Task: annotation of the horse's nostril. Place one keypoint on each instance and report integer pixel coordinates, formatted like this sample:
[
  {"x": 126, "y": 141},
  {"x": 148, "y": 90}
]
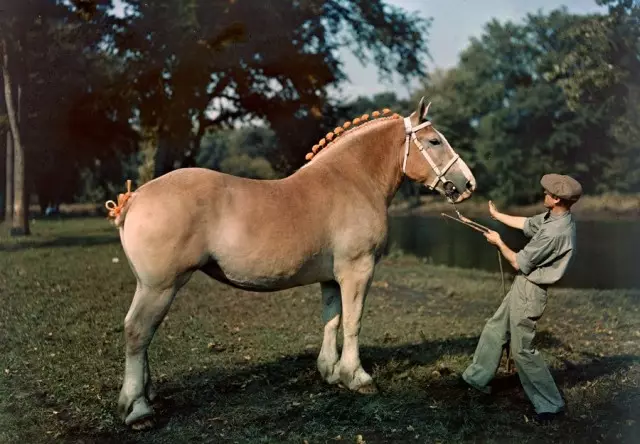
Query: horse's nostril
[{"x": 469, "y": 185}]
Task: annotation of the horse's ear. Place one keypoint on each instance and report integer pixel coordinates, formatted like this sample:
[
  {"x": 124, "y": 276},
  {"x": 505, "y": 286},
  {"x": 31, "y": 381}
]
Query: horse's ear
[{"x": 423, "y": 109}]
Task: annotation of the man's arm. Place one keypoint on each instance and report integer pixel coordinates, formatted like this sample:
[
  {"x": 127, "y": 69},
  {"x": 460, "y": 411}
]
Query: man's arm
[
  {"x": 509, "y": 254},
  {"x": 511, "y": 221},
  {"x": 531, "y": 256}
]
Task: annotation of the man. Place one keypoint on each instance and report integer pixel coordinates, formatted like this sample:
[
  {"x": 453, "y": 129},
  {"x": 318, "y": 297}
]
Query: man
[{"x": 541, "y": 263}]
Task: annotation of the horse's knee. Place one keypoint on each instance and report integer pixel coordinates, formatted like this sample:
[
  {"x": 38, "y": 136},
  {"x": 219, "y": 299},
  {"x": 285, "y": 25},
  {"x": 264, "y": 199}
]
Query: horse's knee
[{"x": 133, "y": 335}]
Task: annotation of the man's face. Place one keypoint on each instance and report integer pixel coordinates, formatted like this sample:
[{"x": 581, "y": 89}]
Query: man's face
[{"x": 550, "y": 200}]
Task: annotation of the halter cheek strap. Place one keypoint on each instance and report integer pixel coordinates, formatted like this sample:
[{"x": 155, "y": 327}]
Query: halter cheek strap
[{"x": 410, "y": 133}]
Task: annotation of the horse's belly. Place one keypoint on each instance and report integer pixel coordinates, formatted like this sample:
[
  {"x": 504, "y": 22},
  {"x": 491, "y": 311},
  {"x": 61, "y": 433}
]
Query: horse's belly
[{"x": 270, "y": 274}]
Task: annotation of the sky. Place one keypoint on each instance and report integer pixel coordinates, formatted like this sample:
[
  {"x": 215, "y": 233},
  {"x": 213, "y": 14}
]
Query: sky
[{"x": 454, "y": 23}]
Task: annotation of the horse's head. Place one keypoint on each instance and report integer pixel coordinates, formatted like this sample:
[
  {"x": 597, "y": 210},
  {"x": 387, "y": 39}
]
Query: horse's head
[{"x": 430, "y": 160}]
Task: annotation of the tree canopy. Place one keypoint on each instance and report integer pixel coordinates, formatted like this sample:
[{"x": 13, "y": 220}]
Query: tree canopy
[
  {"x": 558, "y": 92},
  {"x": 244, "y": 87}
]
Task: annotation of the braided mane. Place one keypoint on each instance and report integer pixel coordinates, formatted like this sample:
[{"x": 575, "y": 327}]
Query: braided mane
[{"x": 324, "y": 142}]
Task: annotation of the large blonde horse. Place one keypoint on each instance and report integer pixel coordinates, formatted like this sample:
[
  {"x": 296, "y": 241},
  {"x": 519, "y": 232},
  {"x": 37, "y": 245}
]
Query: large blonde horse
[{"x": 326, "y": 223}]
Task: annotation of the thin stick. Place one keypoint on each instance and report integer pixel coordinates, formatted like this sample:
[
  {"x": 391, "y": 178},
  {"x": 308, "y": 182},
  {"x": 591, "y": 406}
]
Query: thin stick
[
  {"x": 480, "y": 228},
  {"x": 466, "y": 219}
]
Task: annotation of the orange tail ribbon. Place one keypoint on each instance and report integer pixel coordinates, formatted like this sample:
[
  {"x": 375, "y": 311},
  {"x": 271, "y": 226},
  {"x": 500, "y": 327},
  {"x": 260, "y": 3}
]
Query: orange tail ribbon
[{"x": 115, "y": 209}]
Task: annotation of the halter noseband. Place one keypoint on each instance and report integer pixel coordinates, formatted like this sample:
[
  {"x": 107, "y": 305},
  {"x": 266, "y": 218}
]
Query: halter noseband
[{"x": 411, "y": 133}]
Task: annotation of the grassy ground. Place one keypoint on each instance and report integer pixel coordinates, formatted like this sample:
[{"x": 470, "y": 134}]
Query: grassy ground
[{"x": 233, "y": 366}]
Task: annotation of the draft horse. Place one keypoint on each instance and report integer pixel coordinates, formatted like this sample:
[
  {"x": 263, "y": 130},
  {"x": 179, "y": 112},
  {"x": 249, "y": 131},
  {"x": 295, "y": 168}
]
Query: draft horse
[{"x": 326, "y": 223}]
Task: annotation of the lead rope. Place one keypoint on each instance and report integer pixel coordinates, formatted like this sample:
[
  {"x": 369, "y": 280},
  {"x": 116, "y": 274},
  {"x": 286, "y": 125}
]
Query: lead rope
[{"x": 481, "y": 228}]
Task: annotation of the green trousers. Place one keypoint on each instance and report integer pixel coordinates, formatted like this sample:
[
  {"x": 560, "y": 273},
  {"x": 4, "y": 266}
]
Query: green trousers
[{"x": 515, "y": 320}]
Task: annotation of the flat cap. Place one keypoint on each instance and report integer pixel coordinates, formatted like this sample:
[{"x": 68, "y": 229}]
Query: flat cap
[{"x": 562, "y": 186}]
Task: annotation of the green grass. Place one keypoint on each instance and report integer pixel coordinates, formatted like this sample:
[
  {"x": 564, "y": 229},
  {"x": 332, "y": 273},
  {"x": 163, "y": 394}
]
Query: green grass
[{"x": 234, "y": 366}]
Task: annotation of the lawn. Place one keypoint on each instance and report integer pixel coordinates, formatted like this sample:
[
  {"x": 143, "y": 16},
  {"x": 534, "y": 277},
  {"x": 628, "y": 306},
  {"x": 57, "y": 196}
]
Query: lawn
[{"x": 235, "y": 366}]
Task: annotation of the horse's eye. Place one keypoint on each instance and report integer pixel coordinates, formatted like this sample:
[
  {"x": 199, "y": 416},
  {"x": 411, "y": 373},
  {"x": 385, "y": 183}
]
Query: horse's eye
[{"x": 434, "y": 142}]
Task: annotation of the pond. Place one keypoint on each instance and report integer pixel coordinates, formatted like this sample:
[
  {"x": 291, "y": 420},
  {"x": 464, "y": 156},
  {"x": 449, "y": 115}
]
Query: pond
[{"x": 608, "y": 253}]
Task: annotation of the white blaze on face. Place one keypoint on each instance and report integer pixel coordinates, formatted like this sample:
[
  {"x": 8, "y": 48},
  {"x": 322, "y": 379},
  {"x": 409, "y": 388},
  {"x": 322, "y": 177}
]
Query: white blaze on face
[{"x": 464, "y": 169}]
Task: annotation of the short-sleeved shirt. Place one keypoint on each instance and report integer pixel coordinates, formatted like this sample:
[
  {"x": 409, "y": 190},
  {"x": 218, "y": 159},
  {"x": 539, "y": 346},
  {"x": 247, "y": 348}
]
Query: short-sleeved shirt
[{"x": 544, "y": 260}]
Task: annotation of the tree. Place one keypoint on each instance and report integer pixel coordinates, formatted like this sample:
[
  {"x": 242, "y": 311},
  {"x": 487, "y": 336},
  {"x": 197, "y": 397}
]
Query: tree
[
  {"x": 600, "y": 72},
  {"x": 8, "y": 212},
  {"x": 75, "y": 118},
  {"x": 242, "y": 152},
  {"x": 7, "y": 168},
  {"x": 20, "y": 216},
  {"x": 194, "y": 66},
  {"x": 514, "y": 113}
]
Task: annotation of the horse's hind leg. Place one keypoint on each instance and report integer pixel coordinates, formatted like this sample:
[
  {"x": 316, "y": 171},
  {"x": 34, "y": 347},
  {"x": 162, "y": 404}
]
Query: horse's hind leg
[
  {"x": 331, "y": 313},
  {"x": 148, "y": 308}
]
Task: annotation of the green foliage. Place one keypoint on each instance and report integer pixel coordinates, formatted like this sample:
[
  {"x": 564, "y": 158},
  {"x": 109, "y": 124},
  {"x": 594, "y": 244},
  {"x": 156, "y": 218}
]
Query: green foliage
[
  {"x": 194, "y": 65},
  {"x": 244, "y": 165},
  {"x": 556, "y": 93},
  {"x": 362, "y": 105},
  {"x": 242, "y": 152},
  {"x": 172, "y": 70},
  {"x": 68, "y": 119},
  {"x": 242, "y": 87}
]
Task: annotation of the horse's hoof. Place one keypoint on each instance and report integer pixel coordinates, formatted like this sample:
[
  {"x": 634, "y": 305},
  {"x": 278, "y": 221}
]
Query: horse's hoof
[
  {"x": 145, "y": 424},
  {"x": 140, "y": 415},
  {"x": 368, "y": 389}
]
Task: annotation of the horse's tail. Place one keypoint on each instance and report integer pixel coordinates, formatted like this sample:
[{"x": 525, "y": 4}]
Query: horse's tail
[{"x": 118, "y": 211}]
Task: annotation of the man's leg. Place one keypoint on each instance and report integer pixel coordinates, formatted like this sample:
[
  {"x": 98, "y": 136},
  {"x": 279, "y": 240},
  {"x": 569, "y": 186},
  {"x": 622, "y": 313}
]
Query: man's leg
[
  {"x": 534, "y": 375},
  {"x": 486, "y": 358}
]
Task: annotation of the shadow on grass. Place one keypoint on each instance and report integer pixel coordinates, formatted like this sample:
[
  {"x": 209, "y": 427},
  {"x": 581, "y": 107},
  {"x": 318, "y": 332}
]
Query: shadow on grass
[
  {"x": 62, "y": 241},
  {"x": 288, "y": 397}
]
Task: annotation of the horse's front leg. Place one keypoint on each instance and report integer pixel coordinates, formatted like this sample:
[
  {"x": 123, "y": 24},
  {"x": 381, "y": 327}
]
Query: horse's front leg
[
  {"x": 148, "y": 385},
  {"x": 327, "y": 362},
  {"x": 355, "y": 280}
]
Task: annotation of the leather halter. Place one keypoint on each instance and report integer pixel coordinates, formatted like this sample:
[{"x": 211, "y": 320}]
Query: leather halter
[{"x": 411, "y": 134}]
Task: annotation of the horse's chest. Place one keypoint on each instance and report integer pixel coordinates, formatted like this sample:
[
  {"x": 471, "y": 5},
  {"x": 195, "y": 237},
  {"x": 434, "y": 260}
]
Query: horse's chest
[{"x": 365, "y": 234}]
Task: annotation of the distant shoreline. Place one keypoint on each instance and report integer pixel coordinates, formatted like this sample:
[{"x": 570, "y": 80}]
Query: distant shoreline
[{"x": 605, "y": 207}]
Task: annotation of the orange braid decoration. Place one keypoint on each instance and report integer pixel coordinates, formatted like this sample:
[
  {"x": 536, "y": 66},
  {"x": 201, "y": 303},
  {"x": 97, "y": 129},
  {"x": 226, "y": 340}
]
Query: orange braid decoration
[
  {"x": 116, "y": 209},
  {"x": 324, "y": 143}
]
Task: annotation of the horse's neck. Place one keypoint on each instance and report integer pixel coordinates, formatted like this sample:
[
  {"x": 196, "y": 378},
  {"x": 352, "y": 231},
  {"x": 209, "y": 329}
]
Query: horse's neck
[{"x": 371, "y": 157}]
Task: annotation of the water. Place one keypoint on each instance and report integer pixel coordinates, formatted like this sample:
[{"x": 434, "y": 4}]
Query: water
[{"x": 608, "y": 252}]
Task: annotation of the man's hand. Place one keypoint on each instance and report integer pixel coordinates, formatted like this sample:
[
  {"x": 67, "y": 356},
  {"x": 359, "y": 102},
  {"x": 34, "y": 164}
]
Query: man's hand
[
  {"x": 492, "y": 237},
  {"x": 493, "y": 210},
  {"x": 495, "y": 239}
]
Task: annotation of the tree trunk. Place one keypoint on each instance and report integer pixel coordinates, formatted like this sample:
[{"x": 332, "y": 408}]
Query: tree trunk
[
  {"x": 20, "y": 224},
  {"x": 3, "y": 173},
  {"x": 8, "y": 203},
  {"x": 163, "y": 161},
  {"x": 148, "y": 148}
]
